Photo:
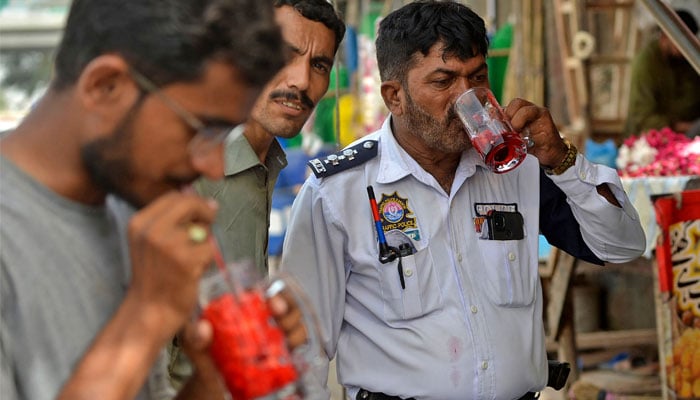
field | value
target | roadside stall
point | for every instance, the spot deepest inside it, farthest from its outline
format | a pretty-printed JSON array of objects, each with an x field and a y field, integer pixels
[{"x": 678, "y": 302}]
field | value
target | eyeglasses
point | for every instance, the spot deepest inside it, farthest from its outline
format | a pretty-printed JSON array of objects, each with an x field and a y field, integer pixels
[{"x": 207, "y": 136}]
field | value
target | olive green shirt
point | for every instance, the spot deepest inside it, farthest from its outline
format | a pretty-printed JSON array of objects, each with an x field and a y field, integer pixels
[
  {"x": 662, "y": 91},
  {"x": 245, "y": 199}
]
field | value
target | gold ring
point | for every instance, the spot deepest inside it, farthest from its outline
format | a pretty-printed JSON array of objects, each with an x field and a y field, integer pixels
[{"x": 197, "y": 233}]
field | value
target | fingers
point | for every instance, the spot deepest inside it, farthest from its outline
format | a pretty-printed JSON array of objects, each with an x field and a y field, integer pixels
[
  {"x": 545, "y": 141},
  {"x": 196, "y": 338},
  {"x": 289, "y": 317},
  {"x": 525, "y": 116},
  {"x": 278, "y": 305},
  {"x": 522, "y": 113},
  {"x": 165, "y": 231},
  {"x": 172, "y": 209},
  {"x": 206, "y": 383},
  {"x": 169, "y": 251}
]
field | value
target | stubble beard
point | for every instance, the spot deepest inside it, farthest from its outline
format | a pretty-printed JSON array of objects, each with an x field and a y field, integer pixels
[
  {"x": 279, "y": 127},
  {"x": 447, "y": 136},
  {"x": 107, "y": 162}
]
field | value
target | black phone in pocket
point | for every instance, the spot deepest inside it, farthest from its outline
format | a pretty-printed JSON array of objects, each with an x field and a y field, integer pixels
[{"x": 505, "y": 225}]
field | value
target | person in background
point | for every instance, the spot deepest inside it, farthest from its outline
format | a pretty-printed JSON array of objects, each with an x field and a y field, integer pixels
[
  {"x": 103, "y": 244},
  {"x": 664, "y": 87},
  {"x": 312, "y": 30},
  {"x": 456, "y": 313}
]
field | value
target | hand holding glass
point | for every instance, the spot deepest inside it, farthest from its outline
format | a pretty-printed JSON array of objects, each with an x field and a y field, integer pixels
[
  {"x": 491, "y": 134},
  {"x": 248, "y": 347}
]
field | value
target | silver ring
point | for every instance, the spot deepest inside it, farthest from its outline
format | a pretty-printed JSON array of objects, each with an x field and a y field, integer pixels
[
  {"x": 528, "y": 140},
  {"x": 197, "y": 233}
]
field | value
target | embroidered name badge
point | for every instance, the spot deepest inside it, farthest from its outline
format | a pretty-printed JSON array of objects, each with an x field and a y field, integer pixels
[
  {"x": 481, "y": 210},
  {"x": 395, "y": 214}
]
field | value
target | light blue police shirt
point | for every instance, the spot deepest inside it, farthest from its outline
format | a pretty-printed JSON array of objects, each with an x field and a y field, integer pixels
[{"x": 468, "y": 324}]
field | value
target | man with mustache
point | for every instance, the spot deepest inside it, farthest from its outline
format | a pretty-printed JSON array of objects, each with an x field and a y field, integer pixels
[
  {"x": 416, "y": 298},
  {"x": 103, "y": 246},
  {"x": 313, "y": 31}
]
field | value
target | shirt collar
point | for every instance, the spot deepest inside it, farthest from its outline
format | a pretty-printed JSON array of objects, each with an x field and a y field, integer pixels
[{"x": 239, "y": 155}]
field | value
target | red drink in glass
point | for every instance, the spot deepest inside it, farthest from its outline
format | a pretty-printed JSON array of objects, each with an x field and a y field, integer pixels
[
  {"x": 501, "y": 153},
  {"x": 249, "y": 349},
  {"x": 491, "y": 134}
]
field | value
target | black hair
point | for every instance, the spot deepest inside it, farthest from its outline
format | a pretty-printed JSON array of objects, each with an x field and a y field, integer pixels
[
  {"x": 171, "y": 40},
  {"x": 688, "y": 20},
  {"x": 320, "y": 11},
  {"x": 418, "y": 26}
]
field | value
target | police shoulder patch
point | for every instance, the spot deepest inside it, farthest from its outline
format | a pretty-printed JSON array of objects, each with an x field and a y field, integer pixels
[{"x": 344, "y": 159}]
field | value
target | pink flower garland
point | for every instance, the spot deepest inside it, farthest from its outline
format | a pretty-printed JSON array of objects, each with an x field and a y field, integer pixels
[{"x": 659, "y": 153}]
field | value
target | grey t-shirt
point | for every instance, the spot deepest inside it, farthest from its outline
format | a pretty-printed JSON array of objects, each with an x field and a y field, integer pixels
[{"x": 63, "y": 275}]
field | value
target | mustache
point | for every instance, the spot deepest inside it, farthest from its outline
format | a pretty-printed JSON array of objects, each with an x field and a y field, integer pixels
[
  {"x": 293, "y": 96},
  {"x": 452, "y": 115}
]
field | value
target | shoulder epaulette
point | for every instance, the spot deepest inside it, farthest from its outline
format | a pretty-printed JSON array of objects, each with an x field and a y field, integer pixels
[{"x": 344, "y": 159}]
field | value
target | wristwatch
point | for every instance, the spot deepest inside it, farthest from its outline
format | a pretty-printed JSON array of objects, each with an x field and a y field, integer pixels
[{"x": 568, "y": 161}]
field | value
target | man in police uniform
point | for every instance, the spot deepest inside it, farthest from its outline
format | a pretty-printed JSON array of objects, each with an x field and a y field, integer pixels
[{"x": 416, "y": 298}]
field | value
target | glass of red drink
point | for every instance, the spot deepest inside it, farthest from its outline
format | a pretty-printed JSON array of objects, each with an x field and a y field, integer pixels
[
  {"x": 500, "y": 146},
  {"x": 248, "y": 348}
]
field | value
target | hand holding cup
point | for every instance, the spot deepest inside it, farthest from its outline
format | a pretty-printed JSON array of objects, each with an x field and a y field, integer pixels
[{"x": 490, "y": 131}]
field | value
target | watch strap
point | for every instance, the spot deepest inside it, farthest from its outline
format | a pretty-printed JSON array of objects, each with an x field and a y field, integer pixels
[{"x": 568, "y": 161}]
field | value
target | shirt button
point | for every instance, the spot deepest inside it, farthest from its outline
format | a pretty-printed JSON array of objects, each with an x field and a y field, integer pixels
[
  {"x": 583, "y": 176},
  {"x": 511, "y": 256},
  {"x": 484, "y": 365},
  {"x": 474, "y": 309},
  {"x": 459, "y": 257},
  {"x": 408, "y": 272}
]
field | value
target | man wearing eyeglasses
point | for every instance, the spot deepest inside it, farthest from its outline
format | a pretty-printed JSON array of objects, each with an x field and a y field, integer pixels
[
  {"x": 312, "y": 30},
  {"x": 102, "y": 243}
]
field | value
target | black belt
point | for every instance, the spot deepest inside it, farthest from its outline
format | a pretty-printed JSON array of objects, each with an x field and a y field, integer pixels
[
  {"x": 557, "y": 374},
  {"x": 367, "y": 395}
]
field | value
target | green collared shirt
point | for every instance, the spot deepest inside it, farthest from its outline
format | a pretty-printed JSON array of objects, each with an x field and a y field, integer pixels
[{"x": 245, "y": 199}]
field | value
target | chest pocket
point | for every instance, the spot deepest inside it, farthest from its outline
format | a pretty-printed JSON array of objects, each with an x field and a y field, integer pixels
[
  {"x": 421, "y": 294},
  {"x": 509, "y": 278}
]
